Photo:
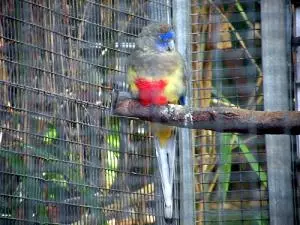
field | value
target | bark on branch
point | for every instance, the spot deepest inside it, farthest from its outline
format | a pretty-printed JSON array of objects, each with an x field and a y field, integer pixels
[{"x": 220, "y": 119}]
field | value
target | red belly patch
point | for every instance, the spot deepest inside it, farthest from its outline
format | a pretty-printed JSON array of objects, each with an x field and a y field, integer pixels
[{"x": 151, "y": 92}]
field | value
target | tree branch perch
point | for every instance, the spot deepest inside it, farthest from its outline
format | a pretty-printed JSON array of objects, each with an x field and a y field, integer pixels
[{"x": 221, "y": 119}]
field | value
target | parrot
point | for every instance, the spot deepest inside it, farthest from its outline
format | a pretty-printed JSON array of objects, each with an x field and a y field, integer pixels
[{"x": 155, "y": 76}]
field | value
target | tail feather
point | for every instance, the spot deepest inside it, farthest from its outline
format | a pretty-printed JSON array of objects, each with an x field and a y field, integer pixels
[{"x": 165, "y": 152}]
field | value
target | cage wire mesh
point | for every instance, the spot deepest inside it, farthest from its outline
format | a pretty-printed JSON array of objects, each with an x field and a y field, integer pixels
[
  {"x": 64, "y": 158},
  {"x": 229, "y": 169}
]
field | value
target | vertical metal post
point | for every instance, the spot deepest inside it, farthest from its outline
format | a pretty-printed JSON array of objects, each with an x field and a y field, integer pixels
[
  {"x": 297, "y": 70},
  {"x": 276, "y": 72},
  {"x": 181, "y": 21}
]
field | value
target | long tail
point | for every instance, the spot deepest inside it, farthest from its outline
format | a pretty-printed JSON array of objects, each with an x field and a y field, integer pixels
[{"x": 165, "y": 146}]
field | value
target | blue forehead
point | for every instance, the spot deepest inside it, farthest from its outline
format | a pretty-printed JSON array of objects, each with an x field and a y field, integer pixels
[{"x": 167, "y": 36}]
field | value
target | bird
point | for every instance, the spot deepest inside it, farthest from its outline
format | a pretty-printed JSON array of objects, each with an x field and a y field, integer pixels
[{"x": 156, "y": 76}]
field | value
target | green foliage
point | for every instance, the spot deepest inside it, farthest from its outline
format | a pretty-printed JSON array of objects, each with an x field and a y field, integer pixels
[
  {"x": 50, "y": 135},
  {"x": 254, "y": 164},
  {"x": 229, "y": 143},
  {"x": 45, "y": 174},
  {"x": 112, "y": 154},
  {"x": 225, "y": 163},
  {"x": 14, "y": 160}
]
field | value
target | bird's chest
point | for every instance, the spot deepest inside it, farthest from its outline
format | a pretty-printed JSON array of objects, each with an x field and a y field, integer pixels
[{"x": 151, "y": 91}]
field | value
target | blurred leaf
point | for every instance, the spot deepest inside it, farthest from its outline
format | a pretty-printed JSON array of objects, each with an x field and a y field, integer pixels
[
  {"x": 225, "y": 163},
  {"x": 14, "y": 160},
  {"x": 57, "y": 186},
  {"x": 39, "y": 152},
  {"x": 57, "y": 178},
  {"x": 254, "y": 164},
  {"x": 112, "y": 156},
  {"x": 112, "y": 165},
  {"x": 32, "y": 188},
  {"x": 221, "y": 98},
  {"x": 50, "y": 135},
  {"x": 113, "y": 140},
  {"x": 42, "y": 213},
  {"x": 70, "y": 171},
  {"x": 112, "y": 159}
]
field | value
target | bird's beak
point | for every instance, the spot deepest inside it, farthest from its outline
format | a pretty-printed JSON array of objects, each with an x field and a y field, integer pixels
[{"x": 171, "y": 45}]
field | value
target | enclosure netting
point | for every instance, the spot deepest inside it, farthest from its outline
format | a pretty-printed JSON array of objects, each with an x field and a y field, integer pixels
[
  {"x": 229, "y": 169},
  {"x": 64, "y": 159}
]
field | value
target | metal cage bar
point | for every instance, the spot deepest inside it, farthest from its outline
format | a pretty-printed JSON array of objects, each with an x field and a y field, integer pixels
[
  {"x": 182, "y": 29},
  {"x": 64, "y": 158},
  {"x": 275, "y": 48}
]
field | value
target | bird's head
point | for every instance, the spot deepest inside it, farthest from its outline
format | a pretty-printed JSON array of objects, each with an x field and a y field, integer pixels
[{"x": 157, "y": 37}]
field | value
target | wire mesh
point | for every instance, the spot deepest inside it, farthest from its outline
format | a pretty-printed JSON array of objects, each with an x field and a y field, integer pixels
[
  {"x": 64, "y": 158},
  {"x": 230, "y": 169}
]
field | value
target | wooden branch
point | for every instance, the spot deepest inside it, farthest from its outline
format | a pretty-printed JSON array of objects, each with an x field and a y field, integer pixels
[{"x": 221, "y": 119}]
